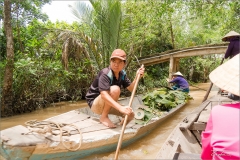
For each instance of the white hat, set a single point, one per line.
(139, 114)
(230, 34)
(177, 74)
(226, 76)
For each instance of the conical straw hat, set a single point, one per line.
(226, 76)
(230, 34)
(177, 74)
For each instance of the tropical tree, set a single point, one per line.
(7, 92)
(232, 17)
(199, 22)
(144, 31)
(15, 13)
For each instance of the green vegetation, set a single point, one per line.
(51, 62)
(164, 99)
(160, 101)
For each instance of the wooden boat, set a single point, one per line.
(185, 140)
(78, 134)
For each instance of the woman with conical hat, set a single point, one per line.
(220, 140)
(234, 45)
(180, 83)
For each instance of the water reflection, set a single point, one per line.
(146, 148)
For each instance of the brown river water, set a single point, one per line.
(145, 148)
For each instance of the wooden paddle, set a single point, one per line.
(126, 117)
(210, 87)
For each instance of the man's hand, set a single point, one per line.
(141, 72)
(126, 110)
(167, 79)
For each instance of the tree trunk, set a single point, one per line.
(172, 36)
(7, 92)
(191, 73)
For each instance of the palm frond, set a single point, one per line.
(82, 11)
(103, 19)
(108, 18)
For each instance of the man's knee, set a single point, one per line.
(115, 90)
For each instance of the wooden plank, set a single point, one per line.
(198, 126)
(96, 127)
(218, 99)
(186, 156)
(69, 117)
(170, 148)
(181, 53)
(189, 143)
(197, 135)
(187, 122)
(92, 125)
(204, 116)
(20, 136)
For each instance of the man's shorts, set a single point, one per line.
(98, 106)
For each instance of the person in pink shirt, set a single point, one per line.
(220, 140)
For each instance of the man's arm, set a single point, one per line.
(130, 88)
(141, 72)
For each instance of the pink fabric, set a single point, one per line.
(220, 140)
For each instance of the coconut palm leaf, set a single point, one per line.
(103, 18)
(78, 47)
(108, 21)
(82, 11)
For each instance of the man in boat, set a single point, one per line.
(180, 83)
(104, 92)
(220, 140)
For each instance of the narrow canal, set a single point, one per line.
(146, 148)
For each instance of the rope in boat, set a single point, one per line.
(47, 128)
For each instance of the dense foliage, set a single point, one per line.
(164, 99)
(160, 101)
(58, 61)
